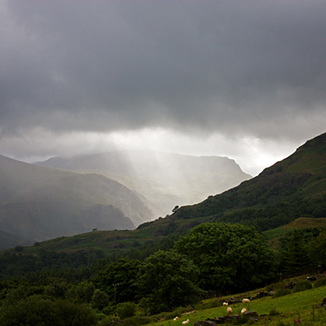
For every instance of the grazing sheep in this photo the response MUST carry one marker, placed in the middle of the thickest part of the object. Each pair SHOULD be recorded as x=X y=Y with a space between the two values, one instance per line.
x=185 y=322
x=245 y=300
x=243 y=310
x=229 y=310
x=311 y=278
x=176 y=318
x=225 y=304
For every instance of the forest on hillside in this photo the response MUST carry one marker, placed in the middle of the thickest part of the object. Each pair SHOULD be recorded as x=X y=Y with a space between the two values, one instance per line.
x=212 y=259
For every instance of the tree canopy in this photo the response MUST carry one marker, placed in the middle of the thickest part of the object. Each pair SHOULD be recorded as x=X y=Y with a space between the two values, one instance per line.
x=228 y=256
x=167 y=279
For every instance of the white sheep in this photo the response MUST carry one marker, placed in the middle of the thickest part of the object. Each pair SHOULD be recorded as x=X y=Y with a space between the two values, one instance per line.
x=225 y=304
x=245 y=300
x=229 y=310
x=176 y=318
x=243 y=310
x=185 y=322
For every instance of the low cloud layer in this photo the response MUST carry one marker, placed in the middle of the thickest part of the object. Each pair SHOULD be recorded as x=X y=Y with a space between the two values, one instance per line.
x=238 y=69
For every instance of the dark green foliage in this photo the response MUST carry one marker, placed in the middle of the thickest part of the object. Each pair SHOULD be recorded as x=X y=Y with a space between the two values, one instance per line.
x=72 y=264
x=167 y=279
x=317 y=252
x=118 y=280
x=56 y=289
x=85 y=291
x=320 y=282
x=294 y=251
x=100 y=300
x=302 y=286
x=229 y=257
x=126 y=309
x=39 y=311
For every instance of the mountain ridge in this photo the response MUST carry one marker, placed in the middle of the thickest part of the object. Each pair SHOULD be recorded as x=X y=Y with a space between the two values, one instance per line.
x=39 y=203
x=288 y=188
x=163 y=180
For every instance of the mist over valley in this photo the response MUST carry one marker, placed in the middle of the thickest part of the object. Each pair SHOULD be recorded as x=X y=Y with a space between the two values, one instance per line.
x=163 y=180
x=115 y=190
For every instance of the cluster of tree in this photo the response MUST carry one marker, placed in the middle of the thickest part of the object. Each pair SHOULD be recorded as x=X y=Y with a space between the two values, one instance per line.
x=302 y=250
x=75 y=265
x=54 y=303
x=213 y=258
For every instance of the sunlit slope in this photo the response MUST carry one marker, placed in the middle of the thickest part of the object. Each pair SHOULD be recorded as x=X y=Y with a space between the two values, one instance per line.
x=164 y=180
x=292 y=188
x=38 y=203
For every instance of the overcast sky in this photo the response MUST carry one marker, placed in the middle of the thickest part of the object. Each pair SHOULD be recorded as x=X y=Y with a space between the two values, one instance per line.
x=244 y=79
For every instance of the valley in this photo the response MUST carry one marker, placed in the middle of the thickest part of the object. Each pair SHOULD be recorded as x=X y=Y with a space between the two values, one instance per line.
x=262 y=235
x=162 y=180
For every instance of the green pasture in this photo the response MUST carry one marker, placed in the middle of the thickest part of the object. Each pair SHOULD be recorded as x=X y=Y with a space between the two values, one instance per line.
x=274 y=311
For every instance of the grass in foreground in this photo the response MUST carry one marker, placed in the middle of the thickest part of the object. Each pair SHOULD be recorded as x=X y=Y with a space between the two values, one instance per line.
x=274 y=311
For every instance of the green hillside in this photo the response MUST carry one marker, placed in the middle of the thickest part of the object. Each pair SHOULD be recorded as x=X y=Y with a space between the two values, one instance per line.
x=273 y=310
x=182 y=265
x=287 y=191
x=292 y=188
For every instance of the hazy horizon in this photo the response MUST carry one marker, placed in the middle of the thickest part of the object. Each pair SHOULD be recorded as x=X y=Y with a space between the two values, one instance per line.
x=241 y=79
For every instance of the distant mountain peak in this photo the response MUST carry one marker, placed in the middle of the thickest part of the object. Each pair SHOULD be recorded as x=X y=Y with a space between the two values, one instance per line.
x=163 y=180
x=38 y=203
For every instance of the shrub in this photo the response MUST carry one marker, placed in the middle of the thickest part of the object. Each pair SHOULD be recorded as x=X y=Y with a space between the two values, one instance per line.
x=274 y=312
x=320 y=282
x=126 y=309
x=302 y=286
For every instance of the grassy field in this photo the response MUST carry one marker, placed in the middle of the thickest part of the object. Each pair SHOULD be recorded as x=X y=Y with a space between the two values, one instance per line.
x=275 y=311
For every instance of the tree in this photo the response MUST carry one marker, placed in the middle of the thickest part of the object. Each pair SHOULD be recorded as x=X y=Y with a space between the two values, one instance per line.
x=85 y=291
x=295 y=258
x=175 y=208
x=230 y=257
x=39 y=311
x=118 y=280
x=126 y=309
x=100 y=300
x=167 y=279
x=317 y=251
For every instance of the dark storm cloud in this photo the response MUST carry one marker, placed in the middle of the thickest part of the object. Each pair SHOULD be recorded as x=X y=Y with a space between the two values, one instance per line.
x=245 y=66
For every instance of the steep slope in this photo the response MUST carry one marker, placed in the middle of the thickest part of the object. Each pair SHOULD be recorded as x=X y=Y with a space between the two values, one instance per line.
x=38 y=203
x=8 y=240
x=285 y=192
x=292 y=188
x=164 y=180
